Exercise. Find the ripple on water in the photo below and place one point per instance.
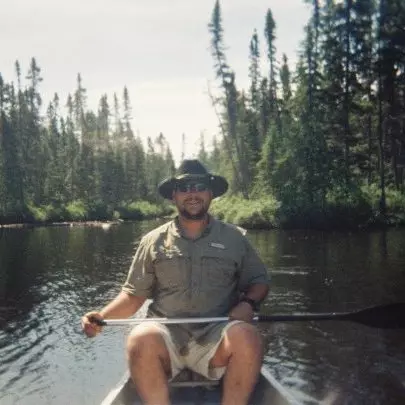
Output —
(292, 270)
(45, 359)
(23, 365)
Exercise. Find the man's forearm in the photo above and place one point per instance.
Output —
(122, 306)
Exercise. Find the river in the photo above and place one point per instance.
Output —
(50, 276)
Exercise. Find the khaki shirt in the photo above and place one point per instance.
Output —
(202, 277)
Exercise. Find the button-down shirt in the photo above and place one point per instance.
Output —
(194, 277)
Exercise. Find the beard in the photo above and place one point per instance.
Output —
(196, 216)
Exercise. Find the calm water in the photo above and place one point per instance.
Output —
(50, 276)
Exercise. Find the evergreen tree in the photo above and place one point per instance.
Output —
(202, 155)
(227, 79)
(11, 157)
(270, 35)
(391, 62)
(55, 187)
(72, 152)
(34, 155)
(253, 110)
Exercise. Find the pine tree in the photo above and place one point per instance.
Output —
(3, 119)
(202, 155)
(34, 155)
(55, 168)
(391, 62)
(72, 147)
(364, 94)
(270, 36)
(253, 109)
(226, 77)
(274, 128)
(12, 162)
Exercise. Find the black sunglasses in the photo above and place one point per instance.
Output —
(191, 187)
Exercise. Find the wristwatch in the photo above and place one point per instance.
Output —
(254, 304)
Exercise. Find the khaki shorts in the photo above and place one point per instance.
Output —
(198, 356)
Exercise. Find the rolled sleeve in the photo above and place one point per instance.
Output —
(253, 270)
(141, 275)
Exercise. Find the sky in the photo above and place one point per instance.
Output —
(159, 49)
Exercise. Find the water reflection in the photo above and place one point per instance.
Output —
(336, 362)
(50, 276)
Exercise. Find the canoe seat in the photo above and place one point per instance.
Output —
(189, 378)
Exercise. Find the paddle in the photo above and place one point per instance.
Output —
(390, 316)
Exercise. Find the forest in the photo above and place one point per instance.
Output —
(317, 145)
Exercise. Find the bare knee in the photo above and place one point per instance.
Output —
(243, 337)
(147, 342)
(240, 340)
(149, 363)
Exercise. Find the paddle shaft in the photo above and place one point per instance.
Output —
(389, 316)
(258, 318)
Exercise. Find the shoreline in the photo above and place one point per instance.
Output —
(94, 223)
(106, 224)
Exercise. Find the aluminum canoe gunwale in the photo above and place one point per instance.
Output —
(268, 391)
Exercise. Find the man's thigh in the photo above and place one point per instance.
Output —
(236, 337)
(210, 360)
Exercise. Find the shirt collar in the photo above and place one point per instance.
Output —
(176, 229)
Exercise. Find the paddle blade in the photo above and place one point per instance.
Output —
(391, 316)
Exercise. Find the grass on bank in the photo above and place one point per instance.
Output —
(358, 209)
(79, 211)
(341, 210)
(143, 210)
(259, 213)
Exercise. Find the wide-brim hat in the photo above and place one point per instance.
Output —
(193, 169)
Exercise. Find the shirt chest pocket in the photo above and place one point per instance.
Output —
(219, 270)
(171, 269)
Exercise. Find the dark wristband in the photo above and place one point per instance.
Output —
(255, 305)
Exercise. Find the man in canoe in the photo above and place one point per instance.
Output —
(192, 266)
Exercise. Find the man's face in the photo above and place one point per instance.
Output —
(192, 199)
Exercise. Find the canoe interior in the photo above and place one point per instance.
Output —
(264, 394)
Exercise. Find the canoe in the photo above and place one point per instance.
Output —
(187, 389)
